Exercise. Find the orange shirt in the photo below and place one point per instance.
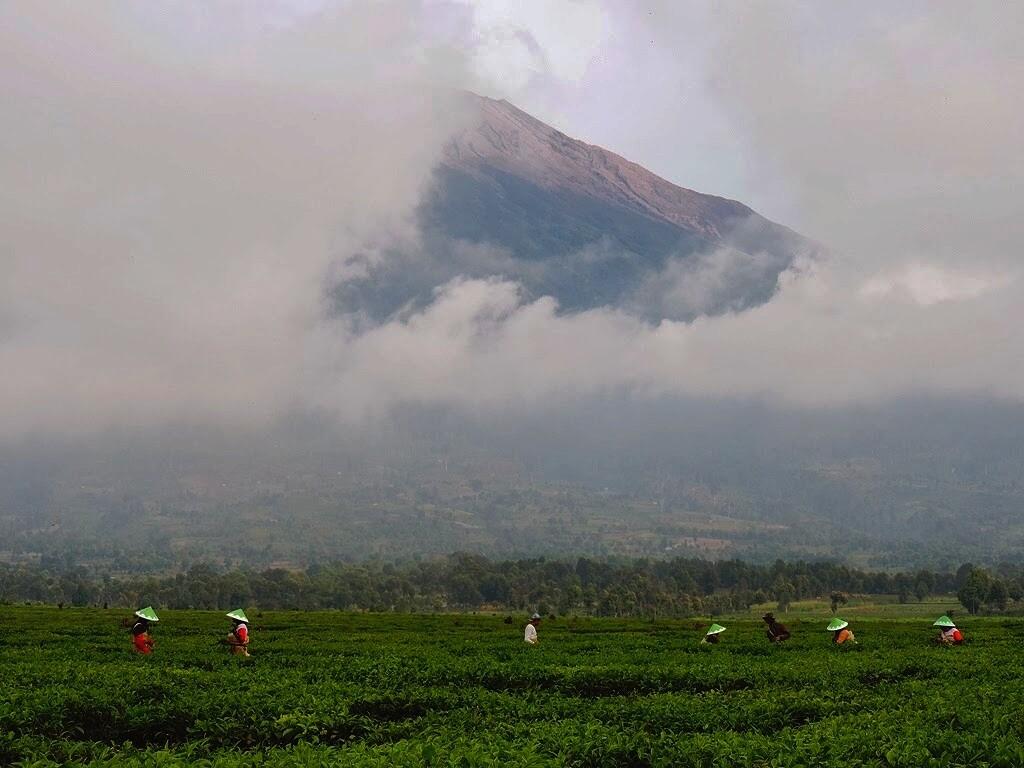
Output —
(844, 636)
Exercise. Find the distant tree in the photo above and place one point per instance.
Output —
(963, 573)
(802, 587)
(717, 604)
(975, 590)
(80, 594)
(1013, 586)
(837, 599)
(921, 590)
(464, 591)
(495, 588)
(784, 592)
(997, 595)
(904, 587)
(924, 584)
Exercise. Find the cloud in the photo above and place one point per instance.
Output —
(725, 279)
(513, 44)
(482, 345)
(926, 284)
(181, 200)
(169, 223)
(880, 129)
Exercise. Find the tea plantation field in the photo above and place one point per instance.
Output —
(374, 690)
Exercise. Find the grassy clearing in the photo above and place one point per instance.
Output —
(867, 606)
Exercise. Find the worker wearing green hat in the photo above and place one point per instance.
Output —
(948, 632)
(141, 638)
(712, 635)
(238, 637)
(841, 632)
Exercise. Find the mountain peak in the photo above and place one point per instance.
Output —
(510, 139)
(515, 198)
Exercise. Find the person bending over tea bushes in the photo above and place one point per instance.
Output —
(777, 631)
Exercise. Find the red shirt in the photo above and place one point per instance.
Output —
(140, 637)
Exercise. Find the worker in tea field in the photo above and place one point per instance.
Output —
(712, 634)
(841, 632)
(530, 636)
(948, 633)
(140, 630)
(238, 637)
(777, 631)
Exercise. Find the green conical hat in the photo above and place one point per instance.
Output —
(147, 613)
(943, 621)
(239, 614)
(837, 624)
(714, 629)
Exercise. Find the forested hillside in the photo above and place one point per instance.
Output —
(927, 485)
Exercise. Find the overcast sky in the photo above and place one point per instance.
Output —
(181, 181)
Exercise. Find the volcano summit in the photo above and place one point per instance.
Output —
(514, 197)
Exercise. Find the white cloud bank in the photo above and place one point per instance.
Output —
(174, 195)
(927, 284)
(817, 343)
(170, 224)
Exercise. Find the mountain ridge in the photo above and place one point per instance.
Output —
(616, 172)
(576, 222)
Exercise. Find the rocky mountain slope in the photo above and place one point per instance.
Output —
(508, 140)
(517, 198)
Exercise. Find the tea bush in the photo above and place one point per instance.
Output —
(384, 690)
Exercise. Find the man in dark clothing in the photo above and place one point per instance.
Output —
(777, 631)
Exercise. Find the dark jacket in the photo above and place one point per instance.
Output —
(777, 631)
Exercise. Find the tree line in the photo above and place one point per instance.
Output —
(678, 587)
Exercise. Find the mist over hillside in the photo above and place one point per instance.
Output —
(926, 483)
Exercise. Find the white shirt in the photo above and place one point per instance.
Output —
(531, 634)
